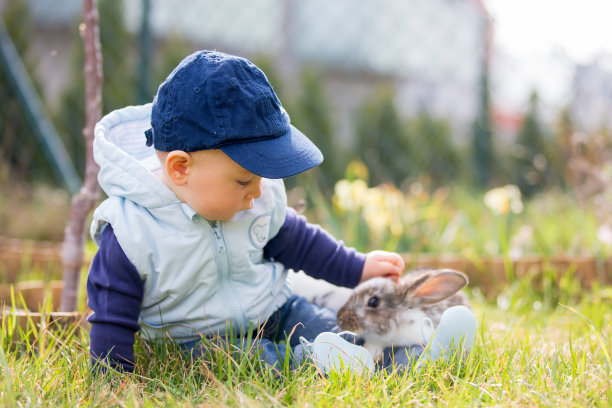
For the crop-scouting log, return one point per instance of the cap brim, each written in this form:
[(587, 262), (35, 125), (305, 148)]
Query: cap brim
[(283, 156)]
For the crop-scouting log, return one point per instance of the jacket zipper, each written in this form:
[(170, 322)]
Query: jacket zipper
[(223, 271)]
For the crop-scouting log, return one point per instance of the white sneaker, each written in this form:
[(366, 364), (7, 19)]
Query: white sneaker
[(331, 352), (457, 328)]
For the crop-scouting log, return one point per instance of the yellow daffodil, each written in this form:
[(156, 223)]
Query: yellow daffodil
[(503, 200)]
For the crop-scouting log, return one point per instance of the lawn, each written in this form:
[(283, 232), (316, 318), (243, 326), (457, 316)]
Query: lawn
[(557, 356), (543, 340)]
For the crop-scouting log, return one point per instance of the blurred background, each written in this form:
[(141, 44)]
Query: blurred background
[(461, 126)]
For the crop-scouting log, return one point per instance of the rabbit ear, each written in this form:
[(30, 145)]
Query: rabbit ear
[(438, 286)]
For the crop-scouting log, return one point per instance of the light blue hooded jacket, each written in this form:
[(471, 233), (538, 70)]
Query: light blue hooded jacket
[(200, 276)]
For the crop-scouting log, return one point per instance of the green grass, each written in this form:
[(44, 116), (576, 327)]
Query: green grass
[(545, 342), (553, 356)]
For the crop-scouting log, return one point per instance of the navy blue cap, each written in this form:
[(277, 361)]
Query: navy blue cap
[(213, 100)]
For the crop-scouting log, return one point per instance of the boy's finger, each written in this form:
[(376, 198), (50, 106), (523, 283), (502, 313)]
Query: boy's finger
[(397, 261), (391, 270)]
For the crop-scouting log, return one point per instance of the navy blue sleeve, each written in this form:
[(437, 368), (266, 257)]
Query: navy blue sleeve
[(300, 245), (114, 293)]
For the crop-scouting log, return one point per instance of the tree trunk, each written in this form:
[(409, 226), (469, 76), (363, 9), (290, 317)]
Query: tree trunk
[(85, 200)]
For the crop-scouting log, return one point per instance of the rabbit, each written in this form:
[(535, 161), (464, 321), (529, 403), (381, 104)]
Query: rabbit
[(318, 291), (384, 313)]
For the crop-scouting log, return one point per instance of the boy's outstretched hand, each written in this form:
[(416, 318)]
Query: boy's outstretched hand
[(382, 264)]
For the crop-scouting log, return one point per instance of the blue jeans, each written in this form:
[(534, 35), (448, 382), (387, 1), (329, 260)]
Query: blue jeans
[(278, 338), (296, 318)]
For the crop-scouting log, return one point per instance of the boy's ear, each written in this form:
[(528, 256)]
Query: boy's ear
[(178, 163)]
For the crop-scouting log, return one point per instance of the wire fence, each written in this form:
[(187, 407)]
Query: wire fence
[(403, 86)]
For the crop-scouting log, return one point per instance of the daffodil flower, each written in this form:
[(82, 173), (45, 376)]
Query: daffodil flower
[(503, 200)]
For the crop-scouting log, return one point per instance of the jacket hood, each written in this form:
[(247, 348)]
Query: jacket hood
[(128, 167)]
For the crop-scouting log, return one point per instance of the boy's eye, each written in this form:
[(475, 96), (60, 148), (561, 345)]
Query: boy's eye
[(244, 183)]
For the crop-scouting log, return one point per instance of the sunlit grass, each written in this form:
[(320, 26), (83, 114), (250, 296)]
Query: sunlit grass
[(522, 357), (544, 340)]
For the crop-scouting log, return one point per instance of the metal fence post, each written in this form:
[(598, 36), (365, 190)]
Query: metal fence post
[(144, 76)]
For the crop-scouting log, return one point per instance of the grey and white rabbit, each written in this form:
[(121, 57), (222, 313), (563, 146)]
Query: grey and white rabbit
[(406, 313)]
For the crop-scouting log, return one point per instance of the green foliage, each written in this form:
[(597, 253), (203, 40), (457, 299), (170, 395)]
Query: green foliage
[(311, 113), (19, 151), (382, 142), (267, 65), (169, 52), (119, 86), (424, 219), (537, 159), (118, 56), (564, 131), (482, 133), (437, 157), (395, 149), (18, 23)]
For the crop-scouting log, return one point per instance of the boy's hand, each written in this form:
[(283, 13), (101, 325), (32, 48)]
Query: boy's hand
[(382, 264)]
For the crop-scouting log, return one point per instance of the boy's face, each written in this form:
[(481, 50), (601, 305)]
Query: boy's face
[(217, 187)]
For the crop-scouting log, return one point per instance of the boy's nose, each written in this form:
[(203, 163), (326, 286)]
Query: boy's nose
[(256, 191)]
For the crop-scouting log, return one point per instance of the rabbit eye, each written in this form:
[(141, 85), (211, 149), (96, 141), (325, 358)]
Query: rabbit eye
[(374, 301)]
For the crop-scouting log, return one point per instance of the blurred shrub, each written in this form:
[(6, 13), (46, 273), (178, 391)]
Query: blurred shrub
[(482, 132), (422, 219), (120, 83), (169, 51), (435, 155), (311, 112), (382, 140), (267, 65), (537, 161), (589, 173), (18, 145), (396, 149)]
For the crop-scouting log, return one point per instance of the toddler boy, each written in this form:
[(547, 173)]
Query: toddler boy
[(196, 238)]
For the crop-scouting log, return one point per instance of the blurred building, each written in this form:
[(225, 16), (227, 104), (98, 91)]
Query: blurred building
[(591, 106), (50, 50), (431, 51)]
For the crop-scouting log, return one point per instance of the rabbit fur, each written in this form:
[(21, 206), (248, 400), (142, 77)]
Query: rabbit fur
[(385, 313)]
